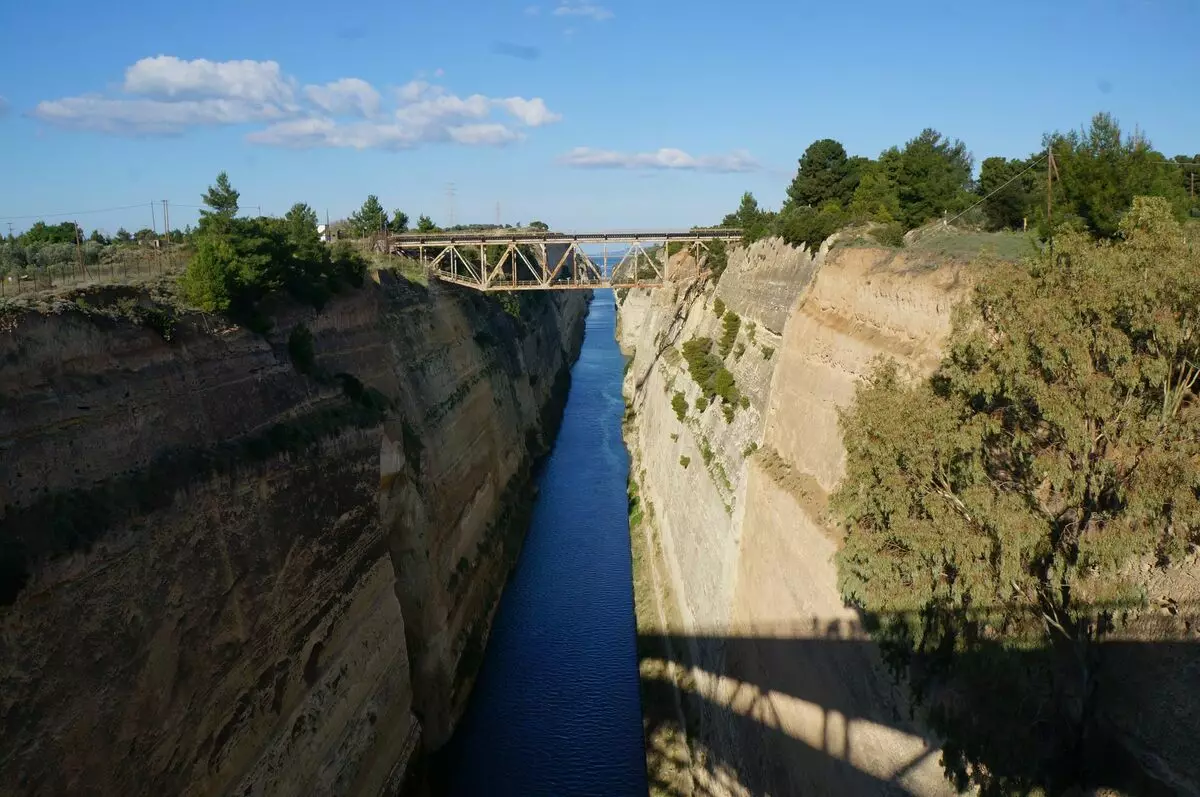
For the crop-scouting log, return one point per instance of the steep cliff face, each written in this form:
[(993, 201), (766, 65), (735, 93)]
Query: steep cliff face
[(777, 686), (233, 563)]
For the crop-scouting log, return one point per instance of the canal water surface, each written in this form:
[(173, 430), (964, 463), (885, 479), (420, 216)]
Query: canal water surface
[(556, 709)]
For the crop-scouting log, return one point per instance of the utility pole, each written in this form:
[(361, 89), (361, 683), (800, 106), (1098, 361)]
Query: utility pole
[(167, 230), (154, 229), (1051, 173), (497, 214), (450, 202), (79, 247)]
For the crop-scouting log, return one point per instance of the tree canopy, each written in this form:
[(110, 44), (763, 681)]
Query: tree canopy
[(825, 174), (425, 224), (370, 218), (1002, 516), (221, 199)]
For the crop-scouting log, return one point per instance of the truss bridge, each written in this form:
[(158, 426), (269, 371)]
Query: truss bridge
[(532, 261)]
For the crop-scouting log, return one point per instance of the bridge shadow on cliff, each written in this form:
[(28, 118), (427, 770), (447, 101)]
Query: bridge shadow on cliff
[(811, 710)]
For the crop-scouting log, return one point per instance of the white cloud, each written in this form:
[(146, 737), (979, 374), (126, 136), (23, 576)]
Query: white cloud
[(581, 8), (666, 158), (346, 97), (138, 116), (171, 77), (165, 95), (490, 134), (416, 89), (533, 113)]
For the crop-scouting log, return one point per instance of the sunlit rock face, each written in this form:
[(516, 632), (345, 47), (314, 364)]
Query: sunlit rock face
[(739, 618)]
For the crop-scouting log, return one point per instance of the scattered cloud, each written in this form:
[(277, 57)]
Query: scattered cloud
[(439, 72), (166, 76), (532, 11), (532, 113), (521, 51), (165, 95), (484, 134), (664, 159), (582, 8), (150, 117), (346, 97)]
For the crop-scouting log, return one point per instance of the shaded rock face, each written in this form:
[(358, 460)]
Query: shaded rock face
[(783, 692), (227, 568)]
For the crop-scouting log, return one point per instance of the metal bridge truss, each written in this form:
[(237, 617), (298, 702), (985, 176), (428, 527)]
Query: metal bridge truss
[(553, 261)]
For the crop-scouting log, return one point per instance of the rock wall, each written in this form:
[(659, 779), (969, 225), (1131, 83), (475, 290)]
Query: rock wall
[(779, 690), (230, 565)]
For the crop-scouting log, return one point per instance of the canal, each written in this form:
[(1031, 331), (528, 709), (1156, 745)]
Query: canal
[(556, 709)]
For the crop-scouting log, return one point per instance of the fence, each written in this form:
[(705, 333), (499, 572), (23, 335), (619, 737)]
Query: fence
[(113, 265)]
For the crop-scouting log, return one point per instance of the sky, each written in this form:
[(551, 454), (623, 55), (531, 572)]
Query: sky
[(585, 114)]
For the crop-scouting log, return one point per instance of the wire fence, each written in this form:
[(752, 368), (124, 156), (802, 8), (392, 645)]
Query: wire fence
[(45, 271)]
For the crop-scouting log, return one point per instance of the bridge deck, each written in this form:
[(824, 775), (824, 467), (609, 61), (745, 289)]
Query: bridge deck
[(523, 261)]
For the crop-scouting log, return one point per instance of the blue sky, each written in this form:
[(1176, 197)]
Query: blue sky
[(604, 114)]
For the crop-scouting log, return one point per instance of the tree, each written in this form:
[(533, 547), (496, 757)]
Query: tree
[(98, 237), (43, 233), (145, 234), (1100, 171), (1007, 514), (875, 197), (825, 174), (370, 218), (221, 199), (541, 226), (123, 236), (399, 223), (425, 224), (209, 280), (750, 219), (800, 225), (1007, 188), (931, 175)]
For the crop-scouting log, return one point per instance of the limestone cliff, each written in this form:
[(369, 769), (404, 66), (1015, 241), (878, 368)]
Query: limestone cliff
[(777, 686), (259, 564)]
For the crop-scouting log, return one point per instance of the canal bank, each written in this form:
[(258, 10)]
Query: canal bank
[(556, 707)]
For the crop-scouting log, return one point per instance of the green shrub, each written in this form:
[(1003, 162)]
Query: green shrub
[(718, 307), (750, 448), (348, 264), (738, 351), (767, 351), (725, 386), (706, 452), (210, 275), (745, 402), (890, 234), (701, 404), (727, 412), (717, 259), (300, 348), (680, 405), (685, 461), (731, 322), (511, 304)]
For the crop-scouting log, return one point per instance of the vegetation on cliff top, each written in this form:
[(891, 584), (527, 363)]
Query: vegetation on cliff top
[(1100, 170), (238, 261), (1003, 516)]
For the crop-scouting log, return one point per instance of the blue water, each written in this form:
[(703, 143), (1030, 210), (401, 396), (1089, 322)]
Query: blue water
[(556, 709)]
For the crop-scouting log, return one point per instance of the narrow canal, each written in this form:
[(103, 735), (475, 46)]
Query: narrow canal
[(556, 709)]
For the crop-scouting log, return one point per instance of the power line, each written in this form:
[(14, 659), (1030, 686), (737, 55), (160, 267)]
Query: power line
[(71, 213), (1005, 184)]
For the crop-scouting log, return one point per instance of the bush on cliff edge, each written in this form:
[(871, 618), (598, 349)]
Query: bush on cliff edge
[(1001, 516)]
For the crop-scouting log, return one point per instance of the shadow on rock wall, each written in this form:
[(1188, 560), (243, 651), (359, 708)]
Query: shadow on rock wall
[(807, 710)]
